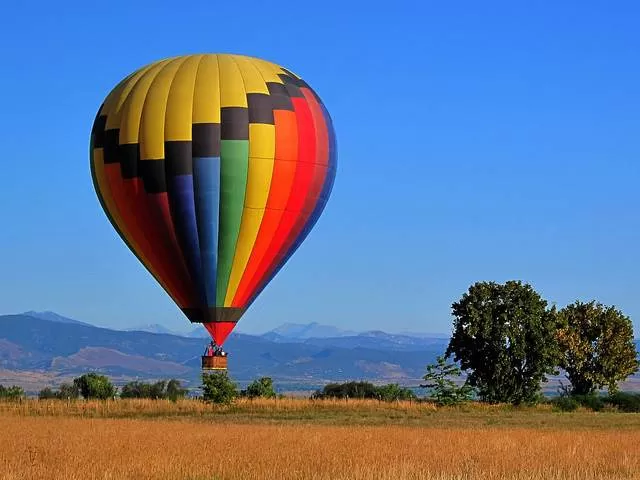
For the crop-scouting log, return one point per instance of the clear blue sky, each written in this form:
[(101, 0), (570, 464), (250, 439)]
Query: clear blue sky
[(477, 141)]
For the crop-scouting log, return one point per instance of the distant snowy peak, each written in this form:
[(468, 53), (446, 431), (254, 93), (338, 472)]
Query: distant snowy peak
[(286, 333), (305, 331), (330, 336), (198, 332), (424, 335), (54, 317), (153, 328), (309, 330)]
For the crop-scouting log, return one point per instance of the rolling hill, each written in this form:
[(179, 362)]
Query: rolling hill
[(32, 344)]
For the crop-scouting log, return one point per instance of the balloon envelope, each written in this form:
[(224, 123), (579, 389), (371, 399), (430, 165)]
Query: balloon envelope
[(213, 169)]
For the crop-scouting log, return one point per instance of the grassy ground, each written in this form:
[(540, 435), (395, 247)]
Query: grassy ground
[(300, 439)]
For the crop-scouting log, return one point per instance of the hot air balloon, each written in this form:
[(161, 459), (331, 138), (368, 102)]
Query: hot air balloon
[(213, 169)]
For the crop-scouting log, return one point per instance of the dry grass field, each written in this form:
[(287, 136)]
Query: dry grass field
[(300, 439)]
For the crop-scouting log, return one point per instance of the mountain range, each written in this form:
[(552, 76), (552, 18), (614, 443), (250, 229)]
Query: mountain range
[(312, 332), (309, 334), (40, 349), (52, 348), (54, 317)]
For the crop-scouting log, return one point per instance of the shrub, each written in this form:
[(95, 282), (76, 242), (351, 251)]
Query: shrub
[(217, 387), (393, 392), (66, 392), (625, 401), (92, 385), (174, 390), (263, 387), (566, 403), (162, 389), (569, 402), (142, 390), (347, 390), (442, 388), (390, 392), (46, 394), (11, 393), (592, 401)]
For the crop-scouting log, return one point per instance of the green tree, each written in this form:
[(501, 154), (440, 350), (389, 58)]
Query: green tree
[(174, 390), (159, 390), (135, 389), (47, 394), (11, 393), (347, 390), (68, 391), (393, 392), (263, 387), (506, 337), (442, 388), (217, 387), (597, 347), (92, 385), (389, 393)]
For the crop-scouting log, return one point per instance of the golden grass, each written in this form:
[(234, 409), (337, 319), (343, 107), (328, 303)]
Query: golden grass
[(302, 439), (41, 447), (330, 412)]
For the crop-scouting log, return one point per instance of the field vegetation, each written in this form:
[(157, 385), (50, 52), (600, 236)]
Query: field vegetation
[(288, 438), (330, 412)]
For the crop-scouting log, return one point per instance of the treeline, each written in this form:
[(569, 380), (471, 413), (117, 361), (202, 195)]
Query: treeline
[(11, 393), (94, 386), (389, 393), (442, 391), (621, 401), (66, 391), (171, 390), (217, 387)]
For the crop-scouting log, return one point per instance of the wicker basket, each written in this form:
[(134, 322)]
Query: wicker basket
[(216, 362)]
